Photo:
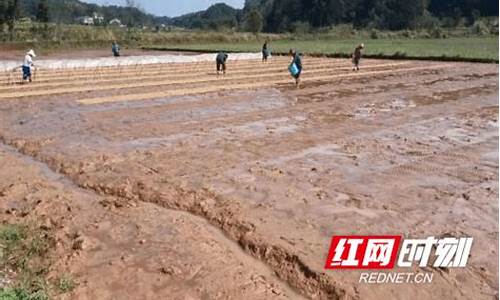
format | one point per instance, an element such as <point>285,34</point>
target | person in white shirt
<point>27,65</point>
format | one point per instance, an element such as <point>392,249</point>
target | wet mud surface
<point>184,190</point>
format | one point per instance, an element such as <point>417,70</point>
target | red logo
<point>363,252</point>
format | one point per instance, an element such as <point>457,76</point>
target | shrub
<point>300,27</point>
<point>66,284</point>
<point>480,28</point>
<point>437,33</point>
<point>22,294</point>
<point>342,31</point>
<point>24,250</point>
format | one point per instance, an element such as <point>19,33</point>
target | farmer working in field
<point>220,61</point>
<point>115,48</point>
<point>295,66</point>
<point>356,57</point>
<point>27,65</point>
<point>265,51</point>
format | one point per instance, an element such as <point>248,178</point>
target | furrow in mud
<point>237,85</point>
<point>218,212</point>
<point>175,76</point>
<point>219,82</point>
<point>144,70</point>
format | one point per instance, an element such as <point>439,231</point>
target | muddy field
<point>178,184</point>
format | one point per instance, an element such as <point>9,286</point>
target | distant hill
<point>67,11</point>
<point>284,15</point>
<point>216,16</point>
<point>289,15</point>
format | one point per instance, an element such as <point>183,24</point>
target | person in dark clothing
<point>265,51</point>
<point>297,60</point>
<point>356,57</point>
<point>115,48</point>
<point>221,62</point>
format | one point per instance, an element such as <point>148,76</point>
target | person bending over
<point>115,48</point>
<point>220,61</point>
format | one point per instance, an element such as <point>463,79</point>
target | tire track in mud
<point>220,213</point>
<point>309,106</point>
<point>418,162</point>
<point>460,80</point>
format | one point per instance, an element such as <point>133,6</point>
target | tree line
<point>267,15</point>
<point>283,15</point>
<point>68,11</point>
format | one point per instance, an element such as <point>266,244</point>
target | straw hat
<point>32,53</point>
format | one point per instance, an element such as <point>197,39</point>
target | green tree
<point>254,21</point>
<point>12,13</point>
<point>4,4</point>
<point>42,14</point>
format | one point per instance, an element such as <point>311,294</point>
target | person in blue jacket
<point>115,48</point>
<point>297,60</point>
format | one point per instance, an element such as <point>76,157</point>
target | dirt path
<point>408,149</point>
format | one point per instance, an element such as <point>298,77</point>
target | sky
<point>171,8</point>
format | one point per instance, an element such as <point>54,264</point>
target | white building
<point>115,22</point>
<point>86,20</point>
<point>98,18</point>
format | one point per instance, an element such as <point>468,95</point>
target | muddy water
<point>280,170</point>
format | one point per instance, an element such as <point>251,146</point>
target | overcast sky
<point>171,8</point>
